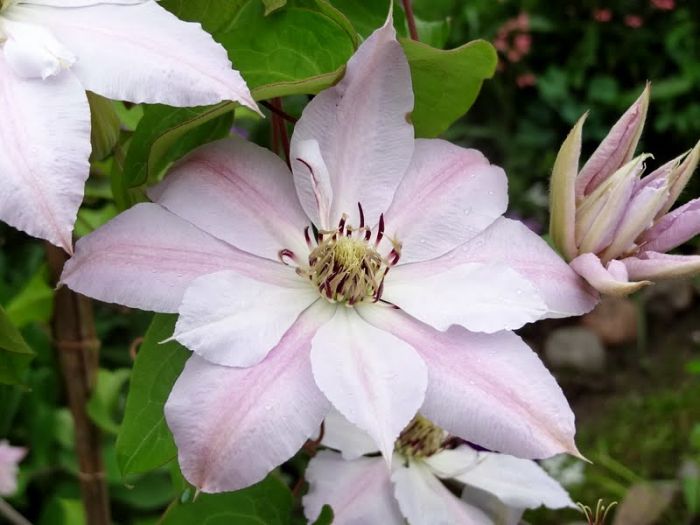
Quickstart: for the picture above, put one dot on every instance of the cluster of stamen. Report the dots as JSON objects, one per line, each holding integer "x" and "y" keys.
{"x": 345, "y": 264}
{"x": 421, "y": 439}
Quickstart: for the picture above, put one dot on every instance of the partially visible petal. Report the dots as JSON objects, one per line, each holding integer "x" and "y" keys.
{"x": 240, "y": 193}
{"x": 616, "y": 149}
{"x": 491, "y": 390}
{"x": 519, "y": 483}
{"x": 146, "y": 257}
{"x": 424, "y": 500}
{"x": 232, "y": 426}
{"x": 316, "y": 193}
{"x": 232, "y": 320}
{"x": 562, "y": 193}
{"x": 449, "y": 195}
{"x": 610, "y": 280}
{"x": 450, "y": 463}
{"x": 373, "y": 378}
{"x": 639, "y": 216}
{"x": 599, "y": 216}
{"x": 9, "y": 460}
{"x": 654, "y": 266}
{"x": 511, "y": 243}
{"x": 340, "y": 434}
{"x": 673, "y": 229}
{"x": 44, "y": 151}
{"x": 32, "y": 51}
{"x": 681, "y": 176}
{"x": 142, "y": 53}
{"x": 358, "y": 491}
{"x": 362, "y": 130}
{"x": 480, "y": 297}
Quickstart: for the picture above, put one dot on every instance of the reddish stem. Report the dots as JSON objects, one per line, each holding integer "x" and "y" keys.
{"x": 77, "y": 348}
{"x": 279, "y": 128}
{"x": 412, "y": 29}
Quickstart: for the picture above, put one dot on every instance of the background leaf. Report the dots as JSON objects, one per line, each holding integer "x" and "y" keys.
{"x": 144, "y": 441}
{"x": 15, "y": 354}
{"x": 266, "y": 503}
{"x": 446, "y": 83}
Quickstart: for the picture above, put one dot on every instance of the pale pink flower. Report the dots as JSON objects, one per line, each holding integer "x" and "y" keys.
{"x": 602, "y": 15}
{"x": 51, "y": 51}
{"x": 663, "y": 5}
{"x": 374, "y": 309}
{"x": 495, "y": 488}
{"x": 634, "y": 21}
{"x": 9, "y": 465}
{"x": 615, "y": 226}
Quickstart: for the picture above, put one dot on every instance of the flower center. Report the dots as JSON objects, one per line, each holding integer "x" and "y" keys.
{"x": 421, "y": 439}
{"x": 346, "y": 265}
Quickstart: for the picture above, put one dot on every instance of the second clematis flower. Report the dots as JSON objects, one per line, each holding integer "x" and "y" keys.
{"x": 428, "y": 467}
{"x": 51, "y": 52}
{"x": 612, "y": 224}
{"x": 378, "y": 277}
{"x": 10, "y": 458}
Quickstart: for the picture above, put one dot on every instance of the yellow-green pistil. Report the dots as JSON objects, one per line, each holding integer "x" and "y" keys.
{"x": 420, "y": 439}
{"x": 345, "y": 264}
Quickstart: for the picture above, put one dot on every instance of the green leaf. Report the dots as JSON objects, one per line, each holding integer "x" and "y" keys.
{"x": 446, "y": 83}
{"x": 164, "y": 134}
{"x": 15, "y": 354}
{"x": 367, "y": 16}
{"x": 266, "y": 503}
{"x": 326, "y": 516}
{"x": 62, "y": 511}
{"x": 273, "y": 5}
{"x": 34, "y": 303}
{"x": 144, "y": 441}
{"x": 105, "y": 126}
{"x": 300, "y": 48}
{"x": 105, "y": 399}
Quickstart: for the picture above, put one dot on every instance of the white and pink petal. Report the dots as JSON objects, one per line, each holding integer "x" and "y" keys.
{"x": 232, "y": 426}
{"x": 373, "y": 378}
{"x": 358, "y": 491}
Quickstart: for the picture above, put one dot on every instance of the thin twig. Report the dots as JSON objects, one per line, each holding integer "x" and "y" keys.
{"x": 8, "y": 512}
{"x": 412, "y": 29}
{"x": 277, "y": 111}
{"x": 77, "y": 348}
{"x": 280, "y": 128}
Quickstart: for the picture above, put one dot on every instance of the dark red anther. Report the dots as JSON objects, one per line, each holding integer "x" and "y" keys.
{"x": 341, "y": 224}
{"x": 286, "y": 253}
{"x": 380, "y": 229}
{"x": 307, "y": 237}
{"x": 327, "y": 288}
{"x": 362, "y": 215}
{"x": 368, "y": 234}
{"x": 379, "y": 291}
{"x": 393, "y": 257}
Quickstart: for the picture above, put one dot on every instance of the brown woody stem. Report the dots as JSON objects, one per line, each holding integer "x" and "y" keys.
{"x": 77, "y": 349}
{"x": 412, "y": 29}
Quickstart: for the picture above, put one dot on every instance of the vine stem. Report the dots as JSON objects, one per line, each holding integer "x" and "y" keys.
{"x": 412, "y": 29}
{"x": 8, "y": 512}
{"x": 279, "y": 128}
{"x": 77, "y": 348}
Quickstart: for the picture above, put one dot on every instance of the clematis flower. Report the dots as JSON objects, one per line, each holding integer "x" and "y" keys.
{"x": 495, "y": 488}
{"x": 9, "y": 460}
{"x": 51, "y": 51}
{"x": 379, "y": 277}
{"x": 614, "y": 225}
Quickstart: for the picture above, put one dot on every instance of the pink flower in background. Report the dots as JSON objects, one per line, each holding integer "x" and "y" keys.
{"x": 495, "y": 488}
{"x": 9, "y": 466}
{"x": 663, "y": 5}
{"x": 513, "y": 38}
{"x": 51, "y": 52}
{"x": 602, "y": 15}
{"x": 377, "y": 278}
{"x": 614, "y": 225}
{"x": 526, "y": 80}
{"x": 634, "y": 21}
